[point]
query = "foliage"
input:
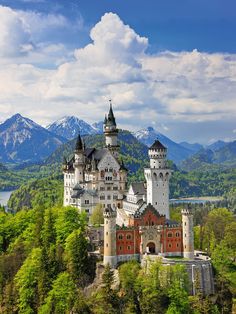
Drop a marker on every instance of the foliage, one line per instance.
(47, 192)
(97, 215)
(61, 297)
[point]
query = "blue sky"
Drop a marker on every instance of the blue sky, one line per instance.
(169, 64)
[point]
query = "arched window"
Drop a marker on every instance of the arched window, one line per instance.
(128, 236)
(177, 234)
(155, 176)
(169, 234)
(120, 236)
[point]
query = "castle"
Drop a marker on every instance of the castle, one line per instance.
(136, 220)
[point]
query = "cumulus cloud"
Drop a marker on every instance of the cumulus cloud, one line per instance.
(14, 38)
(169, 87)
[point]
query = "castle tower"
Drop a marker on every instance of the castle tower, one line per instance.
(111, 132)
(157, 178)
(110, 237)
(79, 161)
(188, 237)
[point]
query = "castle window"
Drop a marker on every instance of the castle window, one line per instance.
(169, 234)
(115, 188)
(169, 245)
(108, 188)
(128, 236)
(115, 197)
(177, 244)
(86, 201)
(102, 197)
(177, 234)
(110, 170)
(102, 188)
(107, 245)
(120, 236)
(108, 197)
(128, 247)
(120, 248)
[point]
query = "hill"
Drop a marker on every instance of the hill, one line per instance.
(208, 159)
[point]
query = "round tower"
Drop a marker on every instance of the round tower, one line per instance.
(110, 237)
(79, 160)
(188, 236)
(157, 178)
(111, 132)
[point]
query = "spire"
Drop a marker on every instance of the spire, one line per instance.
(79, 144)
(111, 119)
(105, 120)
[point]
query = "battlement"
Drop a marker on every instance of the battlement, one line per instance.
(109, 213)
(187, 211)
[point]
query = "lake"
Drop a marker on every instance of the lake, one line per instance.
(197, 200)
(4, 197)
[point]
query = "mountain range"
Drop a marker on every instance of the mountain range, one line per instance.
(24, 141)
(225, 156)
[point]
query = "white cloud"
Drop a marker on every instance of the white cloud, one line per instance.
(165, 87)
(13, 35)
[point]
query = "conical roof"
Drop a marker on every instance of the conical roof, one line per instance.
(79, 144)
(111, 118)
(157, 145)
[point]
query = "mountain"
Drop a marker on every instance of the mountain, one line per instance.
(226, 154)
(98, 127)
(70, 126)
(193, 147)
(176, 152)
(216, 145)
(23, 140)
(208, 159)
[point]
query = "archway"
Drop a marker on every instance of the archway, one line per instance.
(151, 248)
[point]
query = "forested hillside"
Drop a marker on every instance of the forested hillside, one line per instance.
(46, 267)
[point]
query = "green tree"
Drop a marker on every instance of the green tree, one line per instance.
(61, 297)
(153, 298)
(76, 256)
(105, 300)
(27, 283)
(97, 215)
(128, 273)
(217, 221)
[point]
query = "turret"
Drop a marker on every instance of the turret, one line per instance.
(79, 160)
(157, 178)
(188, 237)
(157, 154)
(111, 132)
(110, 237)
